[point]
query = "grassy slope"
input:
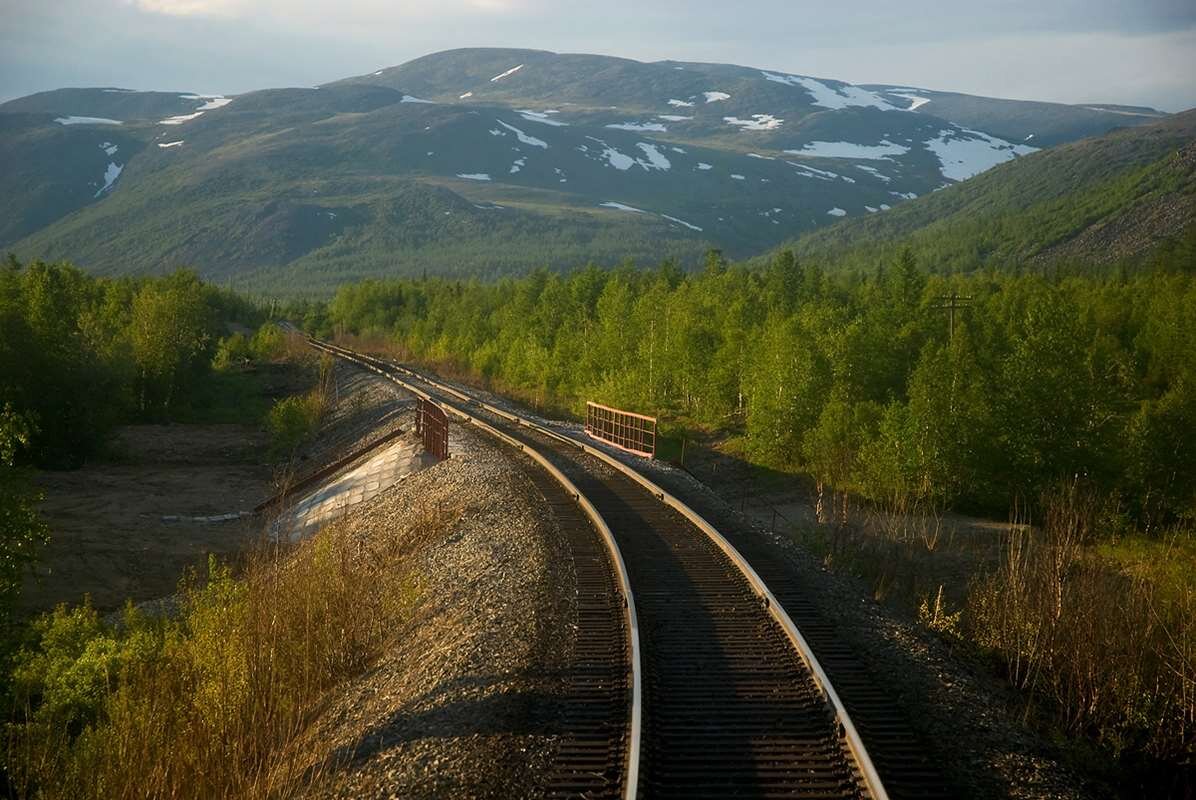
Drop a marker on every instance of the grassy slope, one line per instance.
(1032, 208)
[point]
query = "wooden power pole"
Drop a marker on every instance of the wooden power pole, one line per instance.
(952, 302)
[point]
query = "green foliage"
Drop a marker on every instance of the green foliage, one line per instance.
(80, 354)
(293, 419)
(269, 343)
(22, 532)
(232, 351)
(855, 379)
(204, 703)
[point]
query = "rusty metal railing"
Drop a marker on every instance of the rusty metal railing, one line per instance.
(635, 433)
(431, 424)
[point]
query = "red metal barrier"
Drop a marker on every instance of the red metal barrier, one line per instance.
(627, 430)
(432, 426)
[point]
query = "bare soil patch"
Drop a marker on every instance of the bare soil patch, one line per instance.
(109, 536)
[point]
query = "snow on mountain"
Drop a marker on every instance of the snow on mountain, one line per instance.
(75, 120)
(110, 175)
(827, 96)
(506, 74)
(964, 153)
(851, 150)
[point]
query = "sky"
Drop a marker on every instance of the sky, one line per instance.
(1133, 52)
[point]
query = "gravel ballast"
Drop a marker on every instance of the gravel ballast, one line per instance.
(464, 701)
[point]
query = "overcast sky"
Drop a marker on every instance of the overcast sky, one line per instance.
(1138, 52)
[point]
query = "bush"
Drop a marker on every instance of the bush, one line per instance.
(232, 351)
(210, 703)
(269, 343)
(293, 419)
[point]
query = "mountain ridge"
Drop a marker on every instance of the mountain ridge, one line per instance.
(527, 158)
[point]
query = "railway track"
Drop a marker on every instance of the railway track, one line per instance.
(698, 684)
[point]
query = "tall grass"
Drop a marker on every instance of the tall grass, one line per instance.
(1093, 622)
(1112, 652)
(213, 701)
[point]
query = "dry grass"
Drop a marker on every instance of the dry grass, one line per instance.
(1097, 628)
(1113, 653)
(214, 702)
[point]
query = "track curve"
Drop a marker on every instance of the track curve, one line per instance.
(735, 703)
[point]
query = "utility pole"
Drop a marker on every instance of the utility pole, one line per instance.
(952, 302)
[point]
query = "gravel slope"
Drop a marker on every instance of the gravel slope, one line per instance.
(463, 703)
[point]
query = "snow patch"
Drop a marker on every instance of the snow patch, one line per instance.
(762, 158)
(541, 117)
(180, 119)
(703, 166)
(870, 209)
(874, 152)
(656, 159)
(519, 164)
(214, 103)
(682, 222)
(620, 161)
(714, 97)
(109, 148)
(813, 172)
(641, 127)
(681, 104)
(621, 207)
(465, 96)
(506, 74)
(496, 132)
(523, 137)
(411, 99)
(164, 145)
(915, 101)
(905, 195)
(963, 153)
(110, 176)
(73, 120)
(671, 117)
(737, 177)
(837, 212)
(843, 96)
(1119, 111)
(473, 176)
(874, 172)
(758, 122)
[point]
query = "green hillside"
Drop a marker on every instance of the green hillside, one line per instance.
(478, 162)
(1098, 201)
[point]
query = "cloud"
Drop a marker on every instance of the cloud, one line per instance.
(192, 8)
(317, 12)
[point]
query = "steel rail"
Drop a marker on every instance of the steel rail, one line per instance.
(635, 733)
(851, 736)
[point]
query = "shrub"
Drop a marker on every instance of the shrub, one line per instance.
(232, 351)
(269, 343)
(210, 703)
(293, 419)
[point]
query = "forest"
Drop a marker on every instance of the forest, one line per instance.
(80, 355)
(868, 381)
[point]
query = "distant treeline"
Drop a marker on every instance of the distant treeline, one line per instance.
(79, 354)
(856, 379)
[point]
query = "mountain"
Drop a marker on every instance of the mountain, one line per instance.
(1102, 200)
(488, 161)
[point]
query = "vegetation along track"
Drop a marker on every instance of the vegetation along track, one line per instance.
(734, 701)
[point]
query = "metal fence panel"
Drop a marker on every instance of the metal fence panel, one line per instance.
(431, 424)
(635, 433)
